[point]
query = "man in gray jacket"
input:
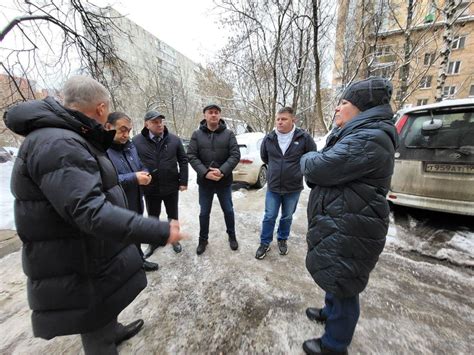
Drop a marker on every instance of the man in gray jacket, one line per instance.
(213, 152)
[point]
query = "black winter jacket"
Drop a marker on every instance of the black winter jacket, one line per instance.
(162, 161)
(218, 148)
(284, 173)
(127, 163)
(348, 213)
(78, 256)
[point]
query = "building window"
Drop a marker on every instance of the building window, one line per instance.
(382, 51)
(429, 58)
(458, 42)
(384, 71)
(462, 9)
(453, 67)
(425, 81)
(471, 90)
(421, 102)
(449, 91)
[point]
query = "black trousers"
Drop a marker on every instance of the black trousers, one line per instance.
(102, 340)
(153, 205)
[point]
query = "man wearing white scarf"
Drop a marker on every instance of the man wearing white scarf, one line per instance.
(281, 150)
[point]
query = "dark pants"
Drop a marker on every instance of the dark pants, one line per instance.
(206, 195)
(342, 316)
(102, 340)
(153, 205)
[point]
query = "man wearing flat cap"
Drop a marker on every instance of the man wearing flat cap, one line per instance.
(213, 152)
(162, 153)
(348, 213)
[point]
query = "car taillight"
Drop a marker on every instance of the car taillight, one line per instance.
(246, 161)
(400, 123)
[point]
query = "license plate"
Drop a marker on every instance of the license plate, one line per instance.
(449, 168)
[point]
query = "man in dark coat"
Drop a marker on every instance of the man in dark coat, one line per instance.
(213, 152)
(131, 173)
(79, 256)
(162, 153)
(282, 150)
(348, 214)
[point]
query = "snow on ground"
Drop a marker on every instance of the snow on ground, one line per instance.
(229, 302)
(6, 198)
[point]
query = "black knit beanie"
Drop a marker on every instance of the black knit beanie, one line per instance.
(369, 93)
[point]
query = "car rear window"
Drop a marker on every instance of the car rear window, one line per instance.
(457, 130)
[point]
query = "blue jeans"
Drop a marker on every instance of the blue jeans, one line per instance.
(342, 316)
(273, 201)
(206, 195)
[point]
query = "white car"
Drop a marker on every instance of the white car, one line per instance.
(251, 169)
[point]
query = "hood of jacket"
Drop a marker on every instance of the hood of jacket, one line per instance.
(29, 116)
(203, 126)
(380, 117)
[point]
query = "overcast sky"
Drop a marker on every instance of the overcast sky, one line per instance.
(189, 26)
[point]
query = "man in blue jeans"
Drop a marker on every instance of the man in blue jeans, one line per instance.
(281, 150)
(213, 152)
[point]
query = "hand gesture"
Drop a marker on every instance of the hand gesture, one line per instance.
(214, 174)
(175, 234)
(143, 177)
(183, 188)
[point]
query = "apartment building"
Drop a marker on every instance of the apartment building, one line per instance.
(383, 38)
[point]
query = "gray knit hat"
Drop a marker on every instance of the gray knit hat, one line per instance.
(369, 93)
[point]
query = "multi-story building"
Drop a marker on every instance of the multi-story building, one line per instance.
(382, 37)
(153, 75)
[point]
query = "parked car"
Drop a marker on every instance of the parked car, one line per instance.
(434, 164)
(251, 169)
(5, 155)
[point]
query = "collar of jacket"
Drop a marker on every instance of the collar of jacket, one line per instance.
(146, 133)
(203, 126)
(298, 132)
(31, 115)
(120, 147)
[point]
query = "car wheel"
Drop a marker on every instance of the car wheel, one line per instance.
(262, 178)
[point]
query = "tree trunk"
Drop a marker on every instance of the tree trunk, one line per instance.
(319, 119)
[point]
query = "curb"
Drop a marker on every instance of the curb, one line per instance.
(9, 242)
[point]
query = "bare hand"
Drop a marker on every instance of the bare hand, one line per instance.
(175, 234)
(183, 188)
(143, 177)
(214, 174)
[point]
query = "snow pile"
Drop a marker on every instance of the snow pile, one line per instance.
(6, 198)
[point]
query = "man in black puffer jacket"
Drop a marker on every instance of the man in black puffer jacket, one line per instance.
(213, 152)
(78, 239)
(348, 213)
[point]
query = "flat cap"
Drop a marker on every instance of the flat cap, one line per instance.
(153, 114)
(208, 107)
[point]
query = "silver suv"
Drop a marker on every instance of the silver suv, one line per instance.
(434, 164)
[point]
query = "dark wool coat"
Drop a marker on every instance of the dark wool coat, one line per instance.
(81, 266)
(284, 173)
(348, 213)
(127, 163)
(218, 148)
(162, 160)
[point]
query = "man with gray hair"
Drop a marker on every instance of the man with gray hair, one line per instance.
(79, 256)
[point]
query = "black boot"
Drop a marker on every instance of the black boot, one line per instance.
(315, 314)
(314, 347)
(233, 242)
(125, 332)
(202, 246)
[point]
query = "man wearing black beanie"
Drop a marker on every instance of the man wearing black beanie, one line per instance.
(348, 213)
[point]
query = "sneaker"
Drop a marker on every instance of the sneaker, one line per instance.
(283, 247)
(177, 248)
(149, 266)
(201, 247)
(234, 245)
(262, 251)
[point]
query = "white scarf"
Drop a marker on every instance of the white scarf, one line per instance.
(284, 139)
